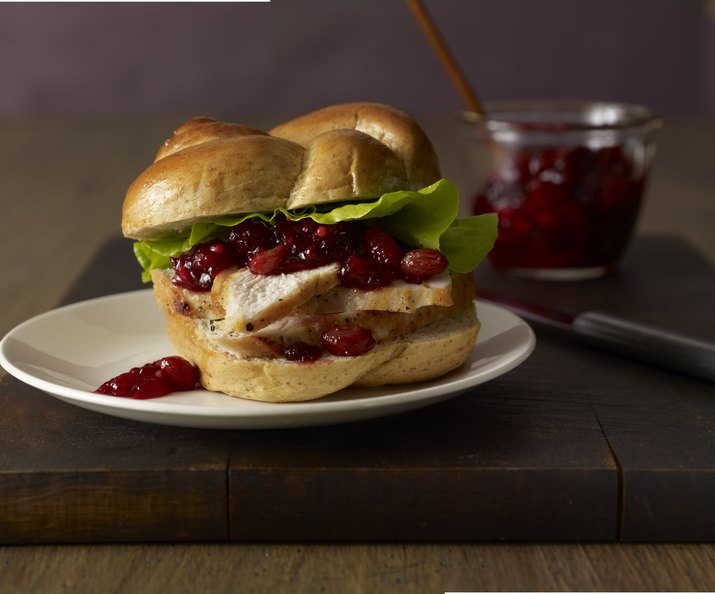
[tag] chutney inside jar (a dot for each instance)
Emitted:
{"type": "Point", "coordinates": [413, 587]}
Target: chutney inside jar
{"type": "Point", "coordinates": [567, 180]}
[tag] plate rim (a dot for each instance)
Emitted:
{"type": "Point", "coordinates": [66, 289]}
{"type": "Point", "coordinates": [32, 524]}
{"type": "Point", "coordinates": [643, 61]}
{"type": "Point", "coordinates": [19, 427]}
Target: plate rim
{"type": "Point", "coordinates": [415, 397]}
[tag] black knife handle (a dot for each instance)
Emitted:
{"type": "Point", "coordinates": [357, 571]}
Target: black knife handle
{"type": "Point", "coordinates": [647, 344]}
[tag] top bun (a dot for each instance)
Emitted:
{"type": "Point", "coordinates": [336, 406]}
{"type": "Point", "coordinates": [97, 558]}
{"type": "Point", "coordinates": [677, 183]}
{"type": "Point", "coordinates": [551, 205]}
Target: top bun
{"type": "Point", "coordinates": [209, 168]}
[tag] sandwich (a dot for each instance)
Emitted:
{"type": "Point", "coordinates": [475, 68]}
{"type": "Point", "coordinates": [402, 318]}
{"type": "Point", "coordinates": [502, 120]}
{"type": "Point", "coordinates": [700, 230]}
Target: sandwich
{"type": "Point", "coordinates": [321, 254]}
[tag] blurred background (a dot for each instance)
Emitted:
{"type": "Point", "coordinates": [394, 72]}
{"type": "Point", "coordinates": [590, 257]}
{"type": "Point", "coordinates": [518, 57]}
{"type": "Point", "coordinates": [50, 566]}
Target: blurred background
{"type": "Point", "coordinates": [249, 60]}
{"type": "Point", "coordinates": [88, 91]}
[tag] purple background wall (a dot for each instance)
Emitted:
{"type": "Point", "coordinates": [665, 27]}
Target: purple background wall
{"type": "Point", "coordinates": [241, 60]}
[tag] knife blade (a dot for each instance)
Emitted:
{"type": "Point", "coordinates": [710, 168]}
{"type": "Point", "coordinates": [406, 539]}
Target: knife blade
{"type": "Point", "coordinates": [642, 342]}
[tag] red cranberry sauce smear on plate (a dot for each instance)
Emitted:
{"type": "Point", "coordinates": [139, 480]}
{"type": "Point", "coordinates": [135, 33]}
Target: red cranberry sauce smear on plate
{"type": "Point", "coordinates": [153, 380]}
{"type": "Point", "coordinates": [369, 257]}
{"type": "Point", "coordinates": [176, 374]}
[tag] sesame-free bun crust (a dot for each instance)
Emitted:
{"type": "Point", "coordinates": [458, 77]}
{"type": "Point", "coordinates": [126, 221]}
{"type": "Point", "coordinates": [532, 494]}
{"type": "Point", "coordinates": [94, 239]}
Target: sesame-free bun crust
{"type": "Point", "coordinates": [209, 180]}
{"type": "Point", "coordinates": [391, 127]}
{"type": "Point", "coordinates": [209, 169]}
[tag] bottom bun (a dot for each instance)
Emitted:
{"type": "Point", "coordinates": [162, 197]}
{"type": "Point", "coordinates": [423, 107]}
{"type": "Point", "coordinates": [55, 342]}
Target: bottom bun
{"type": "Point", "coordinates": [425, 354]}
{"type": "Point", "coordinates": [428, 353]}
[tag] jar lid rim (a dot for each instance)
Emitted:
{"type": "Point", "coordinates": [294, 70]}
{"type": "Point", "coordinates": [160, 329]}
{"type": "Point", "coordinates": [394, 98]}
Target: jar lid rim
{"type": "Point", "coordinates": [567, 115]}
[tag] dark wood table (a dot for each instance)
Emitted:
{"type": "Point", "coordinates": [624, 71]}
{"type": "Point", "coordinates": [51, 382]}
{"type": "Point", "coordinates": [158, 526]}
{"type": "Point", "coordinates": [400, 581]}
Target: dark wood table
{"type": "Point", "coordinates": [578, 470]}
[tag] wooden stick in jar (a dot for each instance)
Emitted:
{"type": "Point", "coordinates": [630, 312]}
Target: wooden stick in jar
{"type": "Point", "coordinates": [439, 45]}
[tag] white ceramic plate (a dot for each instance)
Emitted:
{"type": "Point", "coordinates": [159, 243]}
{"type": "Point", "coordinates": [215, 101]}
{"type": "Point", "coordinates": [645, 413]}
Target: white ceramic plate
{"type": "Point", "coordinates": [68, 352]}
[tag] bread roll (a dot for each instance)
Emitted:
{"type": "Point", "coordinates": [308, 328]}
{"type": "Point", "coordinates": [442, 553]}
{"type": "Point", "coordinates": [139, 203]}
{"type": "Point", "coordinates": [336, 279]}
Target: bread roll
{"type": "Point", "coordinates": [236, 334]}
{"type": "Point", "coordinates": [210, 169]}
{"type": "Point", "coordinates": [392, 127]}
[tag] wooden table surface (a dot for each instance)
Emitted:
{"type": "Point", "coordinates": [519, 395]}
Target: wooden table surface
{"type": "Point", "coordinates": [61, 187]}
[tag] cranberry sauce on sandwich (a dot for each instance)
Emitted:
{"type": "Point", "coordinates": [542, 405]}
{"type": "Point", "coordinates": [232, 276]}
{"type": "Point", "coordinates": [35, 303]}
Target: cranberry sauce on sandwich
{"type": "Point", "coordinates": [324, 254]}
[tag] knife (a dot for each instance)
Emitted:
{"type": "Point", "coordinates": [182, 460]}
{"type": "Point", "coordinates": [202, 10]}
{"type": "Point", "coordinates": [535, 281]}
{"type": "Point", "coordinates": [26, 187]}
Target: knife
{"type": "Point", "coordinates": [642, 342]}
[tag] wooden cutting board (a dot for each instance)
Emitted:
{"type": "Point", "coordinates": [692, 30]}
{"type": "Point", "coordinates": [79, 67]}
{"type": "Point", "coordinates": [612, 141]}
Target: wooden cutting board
{"type": "Point", "coordinates": [574, 445]}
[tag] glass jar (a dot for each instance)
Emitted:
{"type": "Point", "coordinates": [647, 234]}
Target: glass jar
{"type": "Point", "coordinates": [566, 178]}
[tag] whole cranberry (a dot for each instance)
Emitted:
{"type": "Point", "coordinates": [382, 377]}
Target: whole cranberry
{"type": "Point", "coordinates": [197, 269]}
{"type": "Point", "coordinates": [382, 247]}
{"type": "Point", "coordinates": [365, 274]}
{"type": "Point", "coordinates": [420, 264]}
{"type": "Point", "coordinates": [347, 341]}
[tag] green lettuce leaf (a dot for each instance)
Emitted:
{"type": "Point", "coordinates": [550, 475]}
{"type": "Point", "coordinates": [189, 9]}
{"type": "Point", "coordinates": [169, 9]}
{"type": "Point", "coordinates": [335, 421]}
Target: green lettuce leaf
{"type": "Point", "coordinates": [467, 241]}
{"type": "Point", "coordinates": [423, 218]}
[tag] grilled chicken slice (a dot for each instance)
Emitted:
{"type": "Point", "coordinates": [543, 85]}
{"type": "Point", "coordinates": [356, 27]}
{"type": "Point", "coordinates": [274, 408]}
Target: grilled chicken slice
{"type": "Point", "coordinates": [252, 301]}
{"type": "Point", "coordinates": [241, 302]}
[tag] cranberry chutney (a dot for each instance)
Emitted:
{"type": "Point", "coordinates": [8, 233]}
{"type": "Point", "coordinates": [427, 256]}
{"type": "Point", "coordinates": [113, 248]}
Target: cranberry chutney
{"type": "Point", "coordinates": [567, 180]}
{"type": "Point", "coordinates": [369, 257]}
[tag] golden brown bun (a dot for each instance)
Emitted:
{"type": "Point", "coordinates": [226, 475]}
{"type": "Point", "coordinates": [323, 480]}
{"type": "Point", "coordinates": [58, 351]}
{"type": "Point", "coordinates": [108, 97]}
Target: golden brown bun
{"type": "Point", "coordinates": [209, 168]}
{"type": "Point", "coordinates": [199, 130]}
{"type": "Point", "coordinates": [428, 354]}
{"type": "Point", "coordinates": [209, 180]}
{"type": "Point", "coordinates": [392, 127]}
{"type": "Point", "coordinates": [425, 354]}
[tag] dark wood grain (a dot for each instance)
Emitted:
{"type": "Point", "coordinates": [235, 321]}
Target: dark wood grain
{"type": "Point", "coordinates": [72, 475]}
{"type": "Point", "coordinates": [573, 445]}
{"type": "Point", "coordinates": [489, 465]}
{"type": "Point", "coordinates": [660, 426]}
